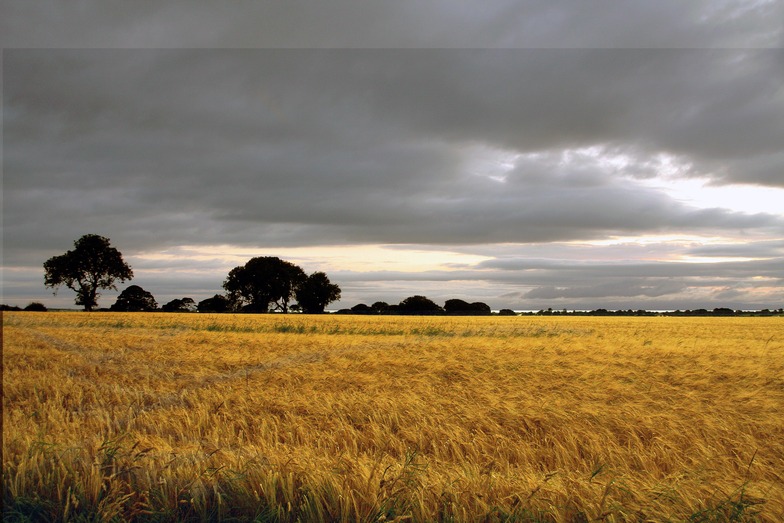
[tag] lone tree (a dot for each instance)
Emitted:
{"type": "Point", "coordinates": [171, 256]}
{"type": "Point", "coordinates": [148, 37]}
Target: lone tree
{"type": "Point", "coordinates": [263, 281]}
{"type": "Point", "coordinates": [316, 292]}
{"type": "Point", "coordinates": [92, 265]}
{"type": "Point", "coordinates": [134, 299]}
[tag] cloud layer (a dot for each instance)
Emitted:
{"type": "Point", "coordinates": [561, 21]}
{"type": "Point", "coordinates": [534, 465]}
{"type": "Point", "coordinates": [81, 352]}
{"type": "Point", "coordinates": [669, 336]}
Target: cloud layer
{"type": "Point", "coordinates": [399, 24]}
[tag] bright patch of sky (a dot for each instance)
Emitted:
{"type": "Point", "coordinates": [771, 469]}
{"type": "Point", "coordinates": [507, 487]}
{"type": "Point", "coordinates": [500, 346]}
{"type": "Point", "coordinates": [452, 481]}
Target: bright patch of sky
{"type": "Point", "coordinates": [317, 258]}
{"type": "Point", "coordinates": [741, 198]}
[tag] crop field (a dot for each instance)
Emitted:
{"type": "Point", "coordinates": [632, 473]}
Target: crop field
{"type": "Point", "coordinates": [191, 417]}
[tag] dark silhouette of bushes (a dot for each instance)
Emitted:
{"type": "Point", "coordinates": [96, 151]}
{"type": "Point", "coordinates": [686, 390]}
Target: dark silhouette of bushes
{"type": "Point", "coordinates": [315, 293]}
{"type": "Point", "coordinates": [180, 305]}
{"type": "Point", "coordinates": [361, 308]}
{"type": "Point", "coordinates": [12, 308]}
{"type": "Point", "coordinates": [264, 282]}
{"type": "Point", "coordinates": [36, 307]}
{"type": "Point", "coordinates": [463, 308]}
{"type": "Point", "coordinates": [217, 303]}
{"type": "Point", "coordinates": [134, 299]}
{"type": "Point", "coordinates": [419, 305]}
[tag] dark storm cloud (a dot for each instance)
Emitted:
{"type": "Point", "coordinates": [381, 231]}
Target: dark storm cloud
{"type": "Point", "coordinates": [390, 146]}
{"type": "Point", "coordinates": [402, 23]}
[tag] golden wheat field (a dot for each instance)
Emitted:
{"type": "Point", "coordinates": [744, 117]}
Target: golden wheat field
{"type": "Point", "coordinates": [191, 417]}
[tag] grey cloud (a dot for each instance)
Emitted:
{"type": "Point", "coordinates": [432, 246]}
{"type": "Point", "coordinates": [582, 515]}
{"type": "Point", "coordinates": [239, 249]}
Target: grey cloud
{"type": "Point", "coordinates": [600, 276]}
{"type": "Point", "coordinates": [559, 271]}
{"type": "Point", "coordinates": [403, 23]}
{"type": "Point", "coordinates": [291, 147]}
{"type": "Point", "coordinates": [762, 249]}
{"type": "Point", "coordinates": [741, 285]}
{"type": "Point", "coordinates": [614, 289]}
{"type": "Point", "coordinates": [719, 112]}
{"type": "Point", "coordinates": [729, 294]}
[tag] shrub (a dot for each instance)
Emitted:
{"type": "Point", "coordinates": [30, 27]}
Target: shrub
{"type": "Point", "coordinates": [36, 307]}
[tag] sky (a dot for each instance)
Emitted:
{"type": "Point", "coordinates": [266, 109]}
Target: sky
{"type": "Point", "coordinates": [527, 154]}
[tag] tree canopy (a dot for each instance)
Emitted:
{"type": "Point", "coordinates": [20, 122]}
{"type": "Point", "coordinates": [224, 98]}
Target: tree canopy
{"type": "Point", "coordinates": [418, 305]}
{"type": "Point", "coordinates": [264, 281]}
{"type": "Point", "coordinates": [461, 307]}
{"type": "Point", "coordinates": [316, 292]}
{"type": "Point", "coordinates": [134, 299]}
{"type": "Point", "coordinates": [93, 264]}
{"type": "Point", "coordinates": [180, 305]}
{"type": "Point", "coordinates": [217, 303]}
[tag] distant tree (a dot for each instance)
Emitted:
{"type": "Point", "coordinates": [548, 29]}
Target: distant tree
{"type": "Point", "coordinates": [5, 307]}
{"type": "Point", "coordinates": [362, 308]}
{"type": "Point", "coordinates": [380, 307]}
{"type": "Point", "coordinates": [180, 305]}
{"type": "Point", "coordinates": [507, 312]}
{"type": "Point", "coordinates": [217, 303]}
{"type": "Point", "coordinates": [461, 307]}
{"type": "Point", "coordinates": [394, 308]}
{"type": "Point", "coordinates": [134, 299]}
{"type": "Point", "coordinates": [316, 292]}
{"type": "Point", "coordinates": [36, 307]}
{"type": "Point", "coordinates": [92, 265]}
{"type": "Point", "coordinates": [481, 308]}
{"type": "Point", "coordinates": [263, 281]}
{"type": "Point", "coordinates": [456, 305]}
{"type": "Point", "coordinates": [418, 305]}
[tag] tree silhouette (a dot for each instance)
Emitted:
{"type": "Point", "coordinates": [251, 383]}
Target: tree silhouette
{"type": "Point", "coordinates": [217, 303]}
{"type": "Point", "coordinates": [134, 299]}
{"type": "Point", "coordinates": [461, 307]}
{"type": "Point", "coordinates": [380, 307]}
{"type": "Point", "coordinates": [180, 305]}
{"type": "Point", "coordinates": [262, 281]}
{"type": "Point", "coordinates": [418, 305]}
{"type": "Point", "coordinates": [36, 307]}
{"type": "Point", "coordinates": [316, 292]}
{"type": "Point", "coordinates": [362, 308]}
{"type": "Point", "coordinates": [92, 265]}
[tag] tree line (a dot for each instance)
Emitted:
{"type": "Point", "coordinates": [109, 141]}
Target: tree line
{"type": "Point", "coordinates": [263, 284]}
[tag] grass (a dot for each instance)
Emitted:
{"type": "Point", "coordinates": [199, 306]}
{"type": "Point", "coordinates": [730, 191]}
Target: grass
{"type": "Point", "coordinates": [167, 417]}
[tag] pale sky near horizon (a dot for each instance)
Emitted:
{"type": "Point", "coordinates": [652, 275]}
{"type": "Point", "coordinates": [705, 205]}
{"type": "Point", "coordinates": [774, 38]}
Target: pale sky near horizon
{"type": "Point", "coordinates": [525, 154]}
